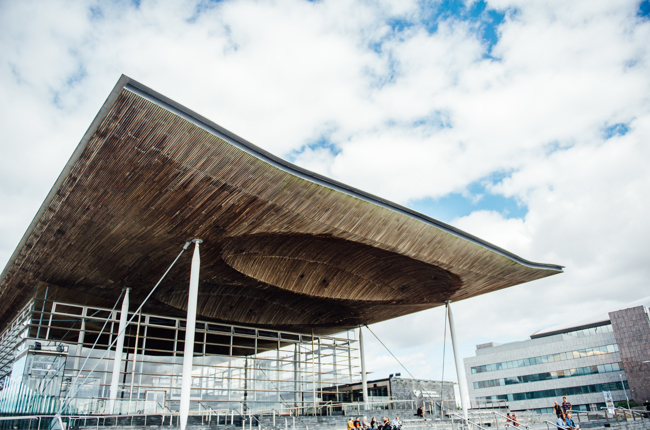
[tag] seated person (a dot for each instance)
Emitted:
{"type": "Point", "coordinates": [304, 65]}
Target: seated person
{"type": "Point", "coordinates": [570, 423]}
{"type": "Point", "coordinates": [560, 423]}
{"type": "Point", "coordinates": [397, 423]}
{"type": "Point", "coordinates": [514, 420]}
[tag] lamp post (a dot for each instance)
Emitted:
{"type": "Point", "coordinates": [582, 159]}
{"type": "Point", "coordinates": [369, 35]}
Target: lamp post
{"type": "Point", "coordinates": [625, 391]}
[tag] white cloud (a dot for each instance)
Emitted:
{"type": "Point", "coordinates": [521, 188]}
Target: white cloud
{"type": "Point", "coordinates": [411, 114]}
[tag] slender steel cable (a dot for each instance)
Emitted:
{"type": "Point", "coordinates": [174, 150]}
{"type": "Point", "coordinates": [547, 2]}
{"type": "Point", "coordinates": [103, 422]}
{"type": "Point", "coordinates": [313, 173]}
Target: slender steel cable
{"type": "Point", "coordinates": [63, 404]}
{"type": "Point", "coordinates": [400, 363]}
{"type": "Point", "coordinates": [92, 348]}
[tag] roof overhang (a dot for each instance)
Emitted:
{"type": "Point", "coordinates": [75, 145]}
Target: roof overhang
{"type": "Point", "coordinates": [283, 246]}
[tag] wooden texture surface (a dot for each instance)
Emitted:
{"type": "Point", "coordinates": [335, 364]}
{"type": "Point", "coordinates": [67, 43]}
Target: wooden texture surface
{"type": "Point", "coordinates": [278, 250]}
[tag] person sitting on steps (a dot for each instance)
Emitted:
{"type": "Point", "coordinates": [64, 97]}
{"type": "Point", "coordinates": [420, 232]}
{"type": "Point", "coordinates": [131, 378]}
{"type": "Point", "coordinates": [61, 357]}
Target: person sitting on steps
{"type": "Point", "coordinates": [420, 413]}
{"type": "Point", "coordinates": [397, 424]}
{"type": "Point", "coordinates": [515, 422]}
{"type": "Point", "coordinates": [569, 422]}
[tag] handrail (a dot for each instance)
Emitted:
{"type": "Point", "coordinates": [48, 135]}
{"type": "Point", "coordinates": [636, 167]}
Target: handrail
{"type": "Point", "coordinates": [165, 407]}
{"type": "Point", "coordinates": [510, 418]}
{"type": "Point", "coordinates": [632, 412]}
{"type": "Point", "coordinates": [468, 421]}
{"type": "Point", "coordinates": [34, 417]}
{"type": "Point", "coordinates": [339, 404]}
{"type": "Point", "coordinates": [473, 412]}
{"type": "Point", "coordinates": [555, 425]}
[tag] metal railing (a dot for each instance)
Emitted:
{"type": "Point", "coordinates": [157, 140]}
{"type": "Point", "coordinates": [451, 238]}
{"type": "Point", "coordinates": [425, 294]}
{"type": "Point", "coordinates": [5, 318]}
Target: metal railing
{"type": "Point", "coordinates": [491, 404]}
{"type": "Point", "coordinates": [39, 419]}
{"type": "Point", "coordinates": [633, 413]}
{"type": "Point", "coordinates": [555, 425]}
{"type": "Point", "coordinates": [469, 423]}
{"type": "Point", "coordinates": [494, 416]}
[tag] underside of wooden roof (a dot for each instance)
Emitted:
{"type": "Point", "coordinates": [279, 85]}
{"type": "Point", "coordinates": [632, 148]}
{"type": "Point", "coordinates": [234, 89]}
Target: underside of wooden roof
{"type": "Point", "coordinates": [282, 246]}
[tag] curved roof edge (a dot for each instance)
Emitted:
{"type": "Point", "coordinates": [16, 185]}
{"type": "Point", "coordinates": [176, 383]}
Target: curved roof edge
{"type": "Point", "coordinates": [134, 86]}
{"type": "Point", "coordinates": [594, 320]}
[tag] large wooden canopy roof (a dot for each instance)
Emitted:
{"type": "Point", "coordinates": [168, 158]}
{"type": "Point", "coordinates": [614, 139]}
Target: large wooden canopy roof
{"type": "Point", "coordinates": [283, 246]}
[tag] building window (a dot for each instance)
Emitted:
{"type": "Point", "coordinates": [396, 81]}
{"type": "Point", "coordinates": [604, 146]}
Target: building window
{"type": "Point", "coordinates": [580, 371]}
{"type": "Point", "coordinates": [544, 359]}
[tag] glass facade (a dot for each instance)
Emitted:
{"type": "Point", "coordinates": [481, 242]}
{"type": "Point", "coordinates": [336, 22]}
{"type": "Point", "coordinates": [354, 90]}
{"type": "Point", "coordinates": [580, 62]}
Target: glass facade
{"type": "Point", "coordinates": [580, 371]}
{"type": "Point", "coordinates": [591, 331]}
{"type": "Point", "coordinates": [556, 392]}
{"type": "Point", "coordinates": [583, 408]}
{"type": "Point", "coordinates": [543, 359]}
{"type": "Point", "coordinates": [235, 368]}
{"type": "Point", "coordinates": [605, 328]}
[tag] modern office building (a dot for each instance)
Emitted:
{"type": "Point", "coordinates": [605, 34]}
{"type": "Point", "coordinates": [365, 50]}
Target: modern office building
{"type": "Point", "coordinates": [419, 392]}
{"type": "Point", "coordinates": [102, 312]}
{"type": "Point", "coordinates": [579, 360]}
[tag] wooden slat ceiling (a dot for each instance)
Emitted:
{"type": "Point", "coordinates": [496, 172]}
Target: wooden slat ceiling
{"type": "Point", "coordinates": [280, 248]}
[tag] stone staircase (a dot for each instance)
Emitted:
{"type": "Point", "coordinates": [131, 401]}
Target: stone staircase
{"type": "Point", "coordinates": [407, 417]}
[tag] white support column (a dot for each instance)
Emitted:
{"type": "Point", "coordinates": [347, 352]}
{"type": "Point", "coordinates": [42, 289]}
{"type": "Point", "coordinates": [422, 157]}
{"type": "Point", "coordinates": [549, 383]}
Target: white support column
{"type": "Point", "coordinates": [119, 347]}
{"type": "Point", "coordinates": [80, 341]}
{"type": "Point", "coordinates": [364, 375]}
{"type": "Point", "coordinates": [190, 328]}
{"type": "Point", "coordinates": [460, 370]}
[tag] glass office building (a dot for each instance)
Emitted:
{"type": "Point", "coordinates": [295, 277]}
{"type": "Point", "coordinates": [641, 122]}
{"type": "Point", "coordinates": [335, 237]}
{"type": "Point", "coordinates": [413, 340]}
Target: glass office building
{"type": "Point", "coordinates": [48, 356]}
{"type": "Point", "coordinates": [579, 360]}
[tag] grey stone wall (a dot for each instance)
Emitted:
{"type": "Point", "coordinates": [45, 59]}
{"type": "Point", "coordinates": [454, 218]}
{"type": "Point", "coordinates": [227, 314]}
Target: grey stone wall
{"type": "Point", "coordinates": [422, 390]}
{"type": "Point", "coordinates": [632, 331]}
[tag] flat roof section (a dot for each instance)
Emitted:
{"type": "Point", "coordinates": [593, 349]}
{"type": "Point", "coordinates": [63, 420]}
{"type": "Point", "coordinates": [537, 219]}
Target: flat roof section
{"type": "Point", "coordinates": [283, 247]}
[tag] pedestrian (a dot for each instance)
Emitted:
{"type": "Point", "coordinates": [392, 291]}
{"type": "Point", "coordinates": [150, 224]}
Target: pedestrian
{"type": "Point", "coordinates": [508, 419]}
{"type": "Point", "coordinates": [558, 411]}
{"type": "Point", "coordinates": [566, 406]}
{"type": "Point", "coordinates": [514, 420]}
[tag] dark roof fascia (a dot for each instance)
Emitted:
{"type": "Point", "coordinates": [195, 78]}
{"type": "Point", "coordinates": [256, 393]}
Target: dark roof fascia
{"type": "Point", "coordinates": [568, 330]}
{"type": "Point", "coordinates": [134, 86]}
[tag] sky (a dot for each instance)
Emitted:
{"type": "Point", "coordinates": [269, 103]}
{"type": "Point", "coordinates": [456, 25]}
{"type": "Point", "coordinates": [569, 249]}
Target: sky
{"type": "Point", "coordinates": [524, 123]}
